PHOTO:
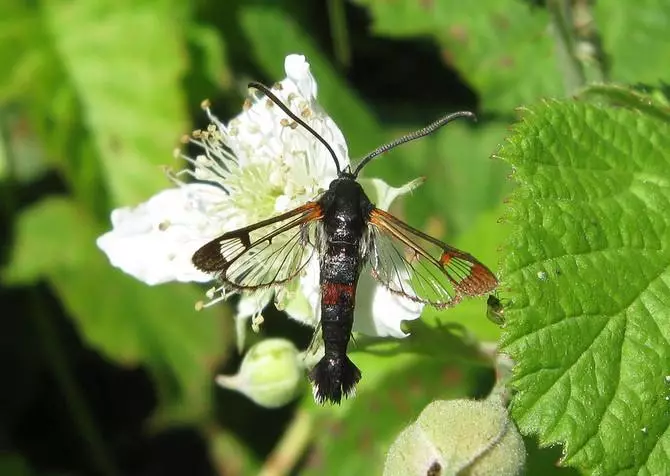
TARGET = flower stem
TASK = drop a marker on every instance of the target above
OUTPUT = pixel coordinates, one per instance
(592, 56)
(338, 28)
(76, 404)
(291, 446)
(580, 52)
(561, 18)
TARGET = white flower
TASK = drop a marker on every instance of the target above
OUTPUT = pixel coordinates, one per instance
(254, 167)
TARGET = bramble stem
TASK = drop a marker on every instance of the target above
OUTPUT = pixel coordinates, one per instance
(561, 17)
(291, 446)
(580, 53)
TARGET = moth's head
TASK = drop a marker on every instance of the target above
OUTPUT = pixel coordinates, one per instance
(344, 183)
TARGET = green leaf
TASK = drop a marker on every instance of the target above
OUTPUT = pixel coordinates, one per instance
(618, 95)
(13, 464)
(635, 36)
(48, 238)
(19, 37)
(45, 102)
(504, 49)
(127, 321)
(587, 267)
(214, 54)
(125, 60)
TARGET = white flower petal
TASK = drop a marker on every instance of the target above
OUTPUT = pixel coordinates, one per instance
(282, 203)
(311, 292)
(297, 70)
(383, 195)
(301, 309)
(154, 242)
(380, 312)
(253, 303)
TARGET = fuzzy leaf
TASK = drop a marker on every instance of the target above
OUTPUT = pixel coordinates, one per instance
(587, 268)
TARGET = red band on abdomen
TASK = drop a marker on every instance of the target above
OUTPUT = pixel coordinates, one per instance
(335, 293)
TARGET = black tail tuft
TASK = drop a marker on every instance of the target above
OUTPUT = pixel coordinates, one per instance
(333, 377)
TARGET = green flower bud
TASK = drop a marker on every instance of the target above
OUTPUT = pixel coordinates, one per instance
(464, 437)
(271, 374)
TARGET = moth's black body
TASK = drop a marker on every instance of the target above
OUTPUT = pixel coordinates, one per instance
(346, 211)
(347, 233)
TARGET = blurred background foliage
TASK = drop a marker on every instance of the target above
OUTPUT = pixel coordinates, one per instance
(105, 375)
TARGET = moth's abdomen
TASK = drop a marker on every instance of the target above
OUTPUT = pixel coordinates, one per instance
(335, 375)
(344, 225)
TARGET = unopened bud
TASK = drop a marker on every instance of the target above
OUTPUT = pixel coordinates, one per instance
(271, 374)
(465, 437)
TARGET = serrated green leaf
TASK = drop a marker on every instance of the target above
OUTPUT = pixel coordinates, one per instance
(127, 321)
(504, 49)
(618, 95)
(587, 267)
(635, 38)
(125, 60)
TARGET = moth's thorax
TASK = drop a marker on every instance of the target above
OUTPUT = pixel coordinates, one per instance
(346, 209)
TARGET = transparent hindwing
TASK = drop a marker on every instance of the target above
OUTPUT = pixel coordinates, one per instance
(420, 267)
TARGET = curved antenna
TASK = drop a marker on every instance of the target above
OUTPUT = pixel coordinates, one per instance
(432, 127)
(292, 115)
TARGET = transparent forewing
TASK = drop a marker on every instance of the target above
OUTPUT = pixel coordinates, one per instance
(421, 268)
(270, 252)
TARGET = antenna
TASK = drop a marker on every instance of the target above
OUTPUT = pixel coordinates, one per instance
(432, 127)
(292, 115)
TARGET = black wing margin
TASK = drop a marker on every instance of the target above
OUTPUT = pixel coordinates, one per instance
(264, 254)
(420, 267)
